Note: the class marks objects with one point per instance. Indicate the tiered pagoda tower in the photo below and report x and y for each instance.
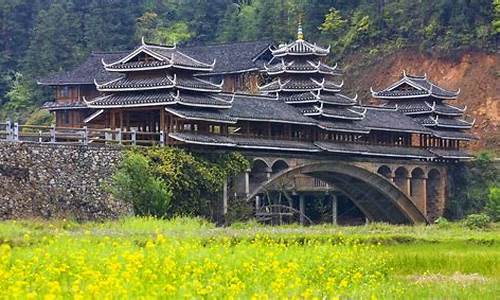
(302, 79)
(154, 76)
(426, 102)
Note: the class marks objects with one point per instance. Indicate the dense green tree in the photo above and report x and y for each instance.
(38, 37)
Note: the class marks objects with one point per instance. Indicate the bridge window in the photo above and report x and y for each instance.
(384, 171)
(401, 179)
(279, 166)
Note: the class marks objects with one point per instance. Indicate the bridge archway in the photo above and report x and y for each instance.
(279, 166)
(418, 188)
(385, 171)
(259, 172)
(402, 179)
(373, 194)
(435, 194)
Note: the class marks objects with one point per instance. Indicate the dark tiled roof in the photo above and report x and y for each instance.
(341, 125)
(337, 99)
(341, 113)
(374, 150)
(452, 154)
(424, 107)
(401, 93)
(141, 64)
(165, 54)
(388, 119)
(211, 100)
(297, 65)
(196, 84)
(192, 113)
(138, 84)
(86, 72)
(445, 122)
(453, 135)
(230, 58)
(446, 109)
(422, 87)
(275, 144)
(452, 122)
(332, 86)
(300, 47)
(243, 142)
(52, 105)
(296, 98)
(292, 85)
(250, 107)
(133, 99)
(203, 138)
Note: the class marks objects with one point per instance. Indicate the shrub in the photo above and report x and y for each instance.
(477, 221)
(493, 204)
(171, 182)
(442, 222)
(135, 183)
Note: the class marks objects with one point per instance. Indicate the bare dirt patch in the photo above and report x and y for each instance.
(477, 74)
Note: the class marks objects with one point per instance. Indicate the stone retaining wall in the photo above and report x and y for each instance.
(57, 181)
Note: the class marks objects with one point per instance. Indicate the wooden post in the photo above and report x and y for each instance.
(15, 134)
(162, 118)
(301, 209)
(8, 129)
(224, 198)
(53, 134)
(162, 138)
(247, 182)
(121, 119)
(334, 209)
(134, 137)
(257, 203)
(85, 136)
(119, 136)
(113, 121)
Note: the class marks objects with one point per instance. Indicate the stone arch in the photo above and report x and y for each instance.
(279, 166)
(385, 171)
(402, 179)
(418, 188)
(259, 172)
(435, 194)
(379, 199)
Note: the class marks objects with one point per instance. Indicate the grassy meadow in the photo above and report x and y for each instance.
(190, 258)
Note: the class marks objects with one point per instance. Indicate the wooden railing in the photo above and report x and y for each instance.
(80, 136)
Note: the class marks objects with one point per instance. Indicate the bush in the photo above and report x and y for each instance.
(442, 222)
(191, 182)
(477, 221)
(40, 117)
(135, 183)
(493, 204)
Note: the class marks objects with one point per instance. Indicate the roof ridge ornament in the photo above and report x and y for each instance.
(300, 33)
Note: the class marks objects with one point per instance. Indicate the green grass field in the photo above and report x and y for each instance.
(190, 258)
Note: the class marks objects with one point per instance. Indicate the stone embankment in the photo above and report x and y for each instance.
(44, 181)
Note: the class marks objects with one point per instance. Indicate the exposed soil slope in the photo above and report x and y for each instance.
(476, 74)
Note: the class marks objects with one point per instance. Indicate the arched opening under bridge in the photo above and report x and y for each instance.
(376, 197)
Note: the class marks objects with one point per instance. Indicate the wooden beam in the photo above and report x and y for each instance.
(162, 118)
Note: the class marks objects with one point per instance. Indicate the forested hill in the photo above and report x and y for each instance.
(38, 37)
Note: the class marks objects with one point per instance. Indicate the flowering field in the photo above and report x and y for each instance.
(186, 258)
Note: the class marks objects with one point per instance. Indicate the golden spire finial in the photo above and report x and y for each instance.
(300, 33)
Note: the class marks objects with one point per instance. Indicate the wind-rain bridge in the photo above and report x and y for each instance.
(317, 155)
